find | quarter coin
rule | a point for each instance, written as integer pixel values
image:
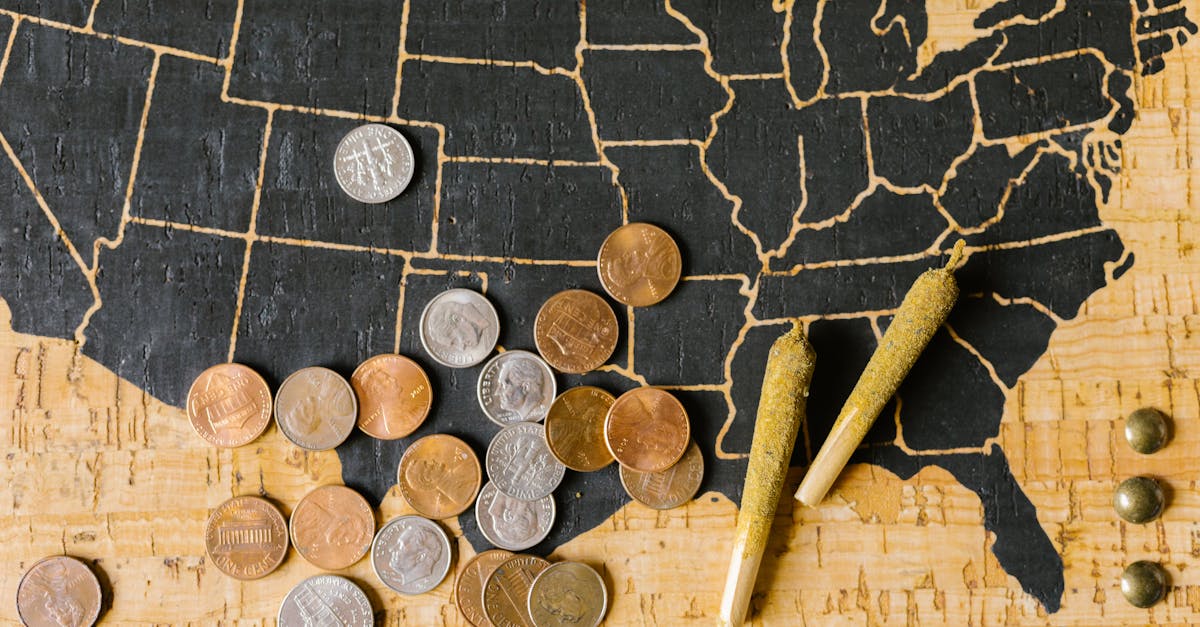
(468, 589)
(639, 264)
(647, 429)
(568, 594)
(515, 386)
(439, 476)
(326, 600)
(506, 591)
(575, 331)
(246, 537)
(315, 408)
(229, 405)
(373, 163)
(57, 591)
(332, 527)
(411, 555)
(511, 523)
(394, 396)
(459, 328)
(575, 428)
(520, 463)
(670, 488)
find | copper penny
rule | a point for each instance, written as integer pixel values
(468, 589)
(58, 591)
(229, 405)
(575, 331)
(439, 476)
(670, 488)
(394, 396)
(639, 264)
(246, 537)
(332, 527)
(647, 429)
(315, 408)
(506, 591)
(575, 428)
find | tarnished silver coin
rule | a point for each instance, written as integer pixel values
(326, 600)
(520, 464)
(316, 408)
(512, 523)
(516, 386)
(571, 594)
(373, 163)
(411, 555)
(459, 328)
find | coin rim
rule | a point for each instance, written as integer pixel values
(546, 534)
(275, 510)
(445, 543)
(425, 314)
(478, 475)
(600, 256)
(361, 594)
(458, 577)
(564, 564)
(292, 526)
(622, 470)
(407, 148)
(687, 420)
(515, 556)
(358, 404)
(491, 478)
(537, 337)
(516, 351)
(253, 373)
(550, 443)
(94, 578)
(284, 431)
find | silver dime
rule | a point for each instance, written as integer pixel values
(459, 328)
(326, 600)
(520, 464)
(373, 163)
(516, 386)
(570, 594)
(411, 555)
(511, 523)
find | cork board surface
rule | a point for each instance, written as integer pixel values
(168, 205)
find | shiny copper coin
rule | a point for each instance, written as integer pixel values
(575, 331)
(229, 405)
(315, 408)
(246, 537)
(439, 476)
(58, 591)
(468, 589)
(639, 264)
(647, 429)
(506, 591)
(575, 428)
(394, 396)
(332, 527)
(670, 488)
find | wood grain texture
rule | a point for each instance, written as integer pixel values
(96, 468)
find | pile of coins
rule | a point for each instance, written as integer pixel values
(646, 430)
(1140, 500)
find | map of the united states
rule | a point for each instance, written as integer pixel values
(170, 201)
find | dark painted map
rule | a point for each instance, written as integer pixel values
(169, 201)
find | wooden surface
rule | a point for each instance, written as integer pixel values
(96, 468)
